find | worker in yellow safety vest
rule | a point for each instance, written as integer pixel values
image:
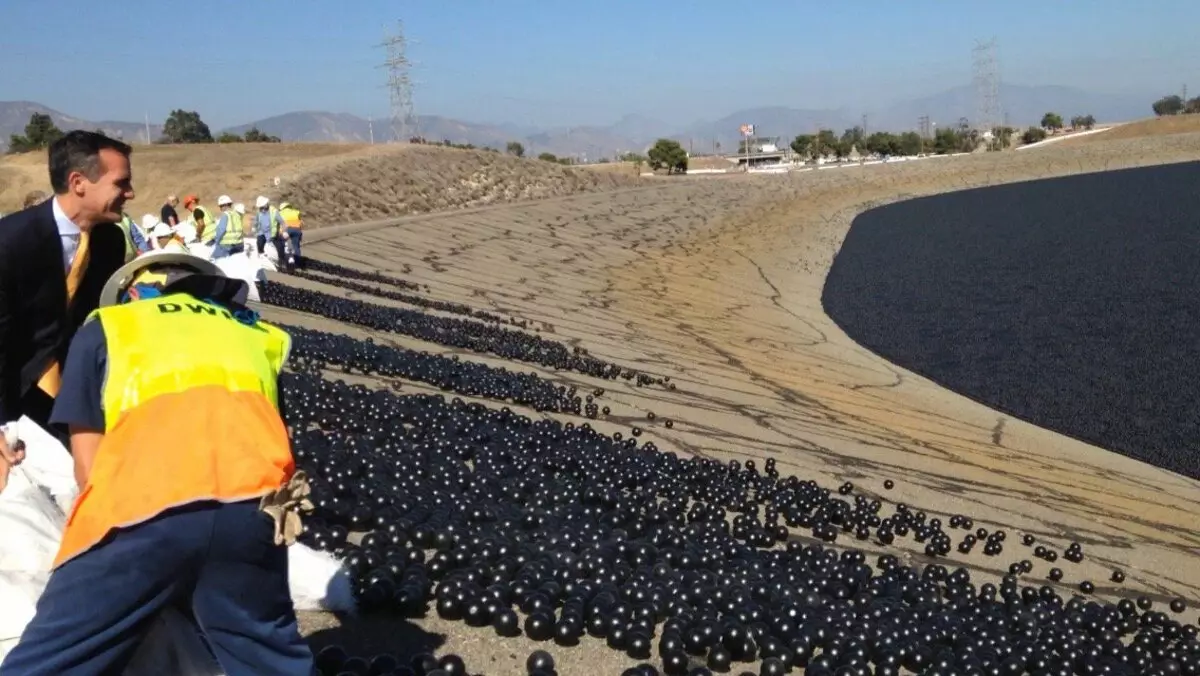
(135, 242)
(270, 227)
(228, 237)
(293, 226)
(188, 488)
(205, 228)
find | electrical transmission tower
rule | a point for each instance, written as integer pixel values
(923, 126)
(399, 84)
(988, 113)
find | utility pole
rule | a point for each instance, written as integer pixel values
(399, 85)
(864, 126)
(148, 141)
(987, 86)
(371, 129)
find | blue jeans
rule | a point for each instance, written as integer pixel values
(220, 559)
(295, 236)
(220, 251)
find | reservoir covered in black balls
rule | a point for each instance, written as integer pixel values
(1071, 303)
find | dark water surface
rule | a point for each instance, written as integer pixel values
(1072, 303)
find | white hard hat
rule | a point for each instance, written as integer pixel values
(180, 263)
(223, 200)
(148, 222)
(162, 230)
(240, 208)
(261, 202)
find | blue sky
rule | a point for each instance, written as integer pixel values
(563, 62)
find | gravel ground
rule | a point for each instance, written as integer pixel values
(716, 282)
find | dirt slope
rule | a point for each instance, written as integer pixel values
(331, 182)
(422, 179)
(239, 170)
(1157, 126)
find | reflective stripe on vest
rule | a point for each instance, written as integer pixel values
(291, 217)
(273, 216)
(233, 229)
(183, 422)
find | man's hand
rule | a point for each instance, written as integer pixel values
(10, 456)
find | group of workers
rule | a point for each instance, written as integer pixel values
(188, 490)
(223, 229)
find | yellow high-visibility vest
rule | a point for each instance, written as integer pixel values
(233, 230)
(216, 410)
(291, 217)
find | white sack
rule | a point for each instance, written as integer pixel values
(33, 510)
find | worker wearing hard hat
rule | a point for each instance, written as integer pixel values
(295, 224)
(200, 217)
(189, 492)
(166, 239)
(228, 237)
(270, 227)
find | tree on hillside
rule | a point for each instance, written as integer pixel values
(1192, 106)
(824, 143)
(910, 143)
(802, 145)
(667, 153)
(229, 137)
(253, 135)
(1001, 138)
(1052, 122)
(1083, 122)
(185, 126)
(548, 157)
(515, 149)
(852, 138)
(40, 132)
(1168, 105)
(1033, 135)
(946, 140)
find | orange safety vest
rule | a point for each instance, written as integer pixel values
(183, 423)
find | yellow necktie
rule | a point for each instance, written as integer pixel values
(51, 380)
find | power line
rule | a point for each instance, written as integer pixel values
(987, 86)
(399, 84)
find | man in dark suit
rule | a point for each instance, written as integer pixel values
(54, 259)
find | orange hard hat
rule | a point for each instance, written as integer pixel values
(189, 200)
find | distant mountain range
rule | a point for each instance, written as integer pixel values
(1022, 106)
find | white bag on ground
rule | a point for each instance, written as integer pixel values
(33, 510)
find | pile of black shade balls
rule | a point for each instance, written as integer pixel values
(479, 337)
(343, 272)
(316, 351)
(689, 566)
(345, 281)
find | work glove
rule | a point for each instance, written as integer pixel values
(285, 504)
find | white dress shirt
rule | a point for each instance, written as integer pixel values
(69, 232)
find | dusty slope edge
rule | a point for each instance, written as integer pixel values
(849, 413)
(423, 179)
